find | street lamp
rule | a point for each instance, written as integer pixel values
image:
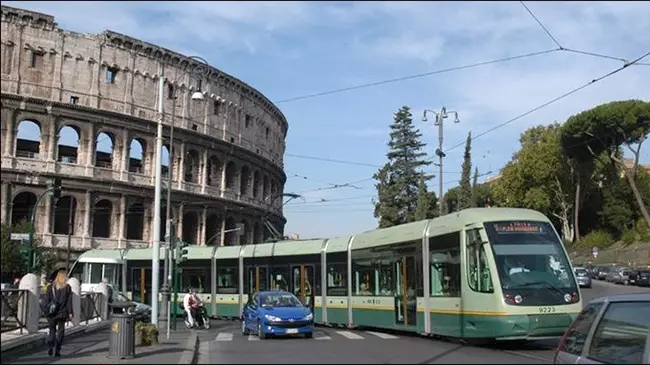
(202, 70)
(440, 117)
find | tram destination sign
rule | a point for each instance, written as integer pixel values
(520, 227)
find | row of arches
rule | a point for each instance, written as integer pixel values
(210, 172)
(104, 224)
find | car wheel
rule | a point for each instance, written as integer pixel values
(244, 330)
(309, 335)
(260, 332)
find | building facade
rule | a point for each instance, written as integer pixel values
(100, 92)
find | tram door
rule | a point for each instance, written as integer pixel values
(302, 281)
(257, 276)
(141, 284)
(405, 294)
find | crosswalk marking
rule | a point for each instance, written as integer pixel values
(384, 336)
(224, 336)
(253, 338)
(349, 335)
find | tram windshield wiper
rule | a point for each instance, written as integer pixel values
(545, 285)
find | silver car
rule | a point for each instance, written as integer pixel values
(582, 277)
(609, 330)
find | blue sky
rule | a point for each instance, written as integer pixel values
(291, 49)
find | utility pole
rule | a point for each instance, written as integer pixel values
(440, 117)
(164, 291)
(70, 212)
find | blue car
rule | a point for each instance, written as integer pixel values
(276, 313)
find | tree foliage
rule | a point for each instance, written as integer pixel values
(401, 179)
(14, 255)
(465, 193)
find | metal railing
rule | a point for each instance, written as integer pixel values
(11, 307)
(90, 306)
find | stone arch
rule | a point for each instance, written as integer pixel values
(192, 166)
(104, 150)
(28, 139)
(212, 230)
(65, 212)
(256, 183)
(137, 150)
(245, 181)
(135, 222)
(22, 206)
(102, 214)
(231, 237)
(68, 144)
(190, 227)
(266, 188)
(214, 171)
(231, 175)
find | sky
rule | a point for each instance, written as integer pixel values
(287, 50)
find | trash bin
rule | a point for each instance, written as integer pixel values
(121, 343)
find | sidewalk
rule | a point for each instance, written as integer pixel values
(93, 349)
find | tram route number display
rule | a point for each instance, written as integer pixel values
(546, 310)
(519, 227)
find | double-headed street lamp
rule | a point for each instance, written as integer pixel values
(201, 70)
(440, 117)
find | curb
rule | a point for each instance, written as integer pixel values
(191, 353)
(31, 342)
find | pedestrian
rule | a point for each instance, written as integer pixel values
(58, 310)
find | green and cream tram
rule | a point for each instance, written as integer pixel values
(482, 273)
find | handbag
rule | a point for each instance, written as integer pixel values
(53, 306)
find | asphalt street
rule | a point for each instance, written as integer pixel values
(225, 344)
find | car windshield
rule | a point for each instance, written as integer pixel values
(581, 272)
(529, 255)
(280, 300)
(119, 297)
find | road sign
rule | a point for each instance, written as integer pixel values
(20, 236)
(594, 251)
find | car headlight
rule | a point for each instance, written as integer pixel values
(309, 317)
(272, 318)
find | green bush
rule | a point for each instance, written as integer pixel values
(146, 334)
(629, 237)
(598, 238)
(643, 231)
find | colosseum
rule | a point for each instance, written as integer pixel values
(83, 108)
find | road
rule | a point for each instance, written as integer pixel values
(337, 345)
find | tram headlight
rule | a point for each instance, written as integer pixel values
(518, 299)
(513, 299)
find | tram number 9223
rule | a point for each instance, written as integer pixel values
(546, 310)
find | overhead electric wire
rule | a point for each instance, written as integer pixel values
(542, 25)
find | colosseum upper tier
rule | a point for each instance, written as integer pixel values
(83, 108)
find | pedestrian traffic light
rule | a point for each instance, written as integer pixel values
(182, 252)
(56, 187)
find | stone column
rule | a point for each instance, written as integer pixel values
(90, 149)
(52, 139)
(223, 177)
(179, 224)
(124, 161)
(29, 310)
(88, 204)
(6, 203)
(223, 228)
(121, 232)
(181, 166)
(204, 172)
(204, 217)
(47, 215)
(10, 133)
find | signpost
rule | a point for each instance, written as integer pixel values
(594, 251)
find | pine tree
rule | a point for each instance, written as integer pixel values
(424, 201)
(398, 180)
(475, 188)
(465, 193)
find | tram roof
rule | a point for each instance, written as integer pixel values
(284, 248)
(97, 255)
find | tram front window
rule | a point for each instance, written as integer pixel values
(533, 268)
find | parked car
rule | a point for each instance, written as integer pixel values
(643, 279)
(602, 273)
(633, 276)
(623, 276)
(609, 330)
(582, 277)
(141, 311)
(276, 313)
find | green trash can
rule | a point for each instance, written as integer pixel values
(121, 342)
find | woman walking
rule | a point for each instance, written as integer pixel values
(58, 311)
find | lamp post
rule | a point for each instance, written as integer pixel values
(440, 117)
(202, 70)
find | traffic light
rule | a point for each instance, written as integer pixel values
(56, 186)
(182, 252)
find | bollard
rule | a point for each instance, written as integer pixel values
(29, 308)
(102, 302)
(76, 300)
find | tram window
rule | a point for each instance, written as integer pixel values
(194, 278)
(280, 278)
(95, 273)
(250, 282)
(77, 271)
(384, 278)
(363, 280)
(337, 279)
(445, 275)
(227, 280)
(478, 270)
